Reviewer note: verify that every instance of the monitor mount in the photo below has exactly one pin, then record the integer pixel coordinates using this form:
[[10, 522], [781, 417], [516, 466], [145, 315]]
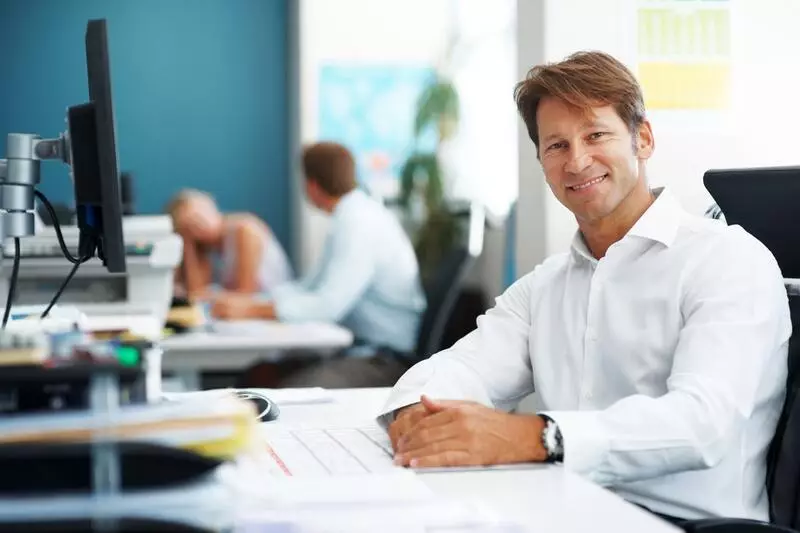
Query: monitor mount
[[19, 176]]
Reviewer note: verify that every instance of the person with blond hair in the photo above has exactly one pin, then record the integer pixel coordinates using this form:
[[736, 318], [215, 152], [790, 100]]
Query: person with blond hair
[[234, 252], [657, 344]]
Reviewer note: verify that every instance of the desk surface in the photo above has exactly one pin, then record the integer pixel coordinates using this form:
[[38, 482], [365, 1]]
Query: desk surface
[[544, 498], [233, 346]]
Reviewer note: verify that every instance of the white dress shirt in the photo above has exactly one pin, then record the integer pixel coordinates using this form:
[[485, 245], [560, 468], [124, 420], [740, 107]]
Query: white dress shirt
[[367, 278], [663, 363]]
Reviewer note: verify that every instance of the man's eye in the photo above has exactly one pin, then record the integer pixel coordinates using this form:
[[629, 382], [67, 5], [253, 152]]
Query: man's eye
[[596, 135], [556, 146]]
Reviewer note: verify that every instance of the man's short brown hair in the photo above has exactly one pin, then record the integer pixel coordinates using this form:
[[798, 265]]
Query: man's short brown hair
[[583, 80], [331, 166]]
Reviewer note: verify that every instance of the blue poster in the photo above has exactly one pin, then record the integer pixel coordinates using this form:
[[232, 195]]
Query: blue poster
[[370, 110]]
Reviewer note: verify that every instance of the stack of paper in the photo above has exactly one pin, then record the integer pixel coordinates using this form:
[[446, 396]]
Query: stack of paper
[[391, 502]]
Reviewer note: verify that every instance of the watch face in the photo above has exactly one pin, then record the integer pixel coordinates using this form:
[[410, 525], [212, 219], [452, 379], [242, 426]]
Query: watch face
[[552, 441]]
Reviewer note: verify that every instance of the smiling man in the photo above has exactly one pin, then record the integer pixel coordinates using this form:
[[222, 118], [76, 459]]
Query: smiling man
[[657, 343]]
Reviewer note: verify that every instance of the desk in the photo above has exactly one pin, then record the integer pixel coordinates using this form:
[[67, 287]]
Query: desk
[[192, 353], [544, 498]]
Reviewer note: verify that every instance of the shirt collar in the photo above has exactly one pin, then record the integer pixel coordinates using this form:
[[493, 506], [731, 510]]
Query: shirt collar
[[659, 223], [346, 200], [661, 220]]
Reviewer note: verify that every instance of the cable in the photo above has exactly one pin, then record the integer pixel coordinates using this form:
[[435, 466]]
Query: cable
[[42, 198], [64, 250], [63, 286], [12, 283]]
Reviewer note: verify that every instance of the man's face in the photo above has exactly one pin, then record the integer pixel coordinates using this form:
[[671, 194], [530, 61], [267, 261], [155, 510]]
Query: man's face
[[199, 220], [591, 163]]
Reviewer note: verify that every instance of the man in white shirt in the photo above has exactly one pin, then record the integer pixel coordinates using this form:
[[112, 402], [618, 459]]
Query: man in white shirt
[[367, 280], [657, 344]]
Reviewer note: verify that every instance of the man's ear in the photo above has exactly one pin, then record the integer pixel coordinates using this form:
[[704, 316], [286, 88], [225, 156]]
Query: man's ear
[[645, 141]]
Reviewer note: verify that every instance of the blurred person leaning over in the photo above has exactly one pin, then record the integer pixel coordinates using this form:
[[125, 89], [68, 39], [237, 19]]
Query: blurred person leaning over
[[234, 252]]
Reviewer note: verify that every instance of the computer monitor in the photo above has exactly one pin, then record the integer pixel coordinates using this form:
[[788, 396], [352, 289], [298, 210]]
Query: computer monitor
[[766, 203], [94, 158]]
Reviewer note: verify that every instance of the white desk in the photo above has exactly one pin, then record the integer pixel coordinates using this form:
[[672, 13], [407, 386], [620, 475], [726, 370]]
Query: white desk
[[544, 498], [235, 347]]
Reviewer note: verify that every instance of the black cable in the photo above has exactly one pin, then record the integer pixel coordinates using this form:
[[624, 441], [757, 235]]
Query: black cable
[[63, 286], [42, 198], [12, 283]]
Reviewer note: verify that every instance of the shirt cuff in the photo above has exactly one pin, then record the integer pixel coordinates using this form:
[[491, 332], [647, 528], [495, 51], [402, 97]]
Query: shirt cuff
[[282, 301], [585, 442]]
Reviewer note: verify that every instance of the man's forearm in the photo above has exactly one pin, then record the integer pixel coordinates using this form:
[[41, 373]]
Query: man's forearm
[[264, 311]]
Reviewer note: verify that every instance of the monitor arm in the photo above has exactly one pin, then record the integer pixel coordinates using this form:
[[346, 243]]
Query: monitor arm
[[19, 175]]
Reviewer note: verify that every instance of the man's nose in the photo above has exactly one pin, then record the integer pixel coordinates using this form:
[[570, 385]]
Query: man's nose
[[579, 159]]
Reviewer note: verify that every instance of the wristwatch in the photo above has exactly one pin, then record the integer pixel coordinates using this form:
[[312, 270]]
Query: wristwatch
[[552, 440]]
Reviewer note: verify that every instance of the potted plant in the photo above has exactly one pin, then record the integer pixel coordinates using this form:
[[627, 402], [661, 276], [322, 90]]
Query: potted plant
[[434, 228]]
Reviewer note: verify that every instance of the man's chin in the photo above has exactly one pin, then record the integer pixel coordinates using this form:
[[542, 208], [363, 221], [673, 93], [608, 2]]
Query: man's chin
[[591, 216]]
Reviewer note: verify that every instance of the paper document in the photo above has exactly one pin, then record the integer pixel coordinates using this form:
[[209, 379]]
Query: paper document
[[311, 452], [428, 515], [300, 396], [245, 327], [290, 492]]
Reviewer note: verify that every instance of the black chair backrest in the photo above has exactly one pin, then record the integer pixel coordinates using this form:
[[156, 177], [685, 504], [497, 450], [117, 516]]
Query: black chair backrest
[[441, 292], [783, 460]]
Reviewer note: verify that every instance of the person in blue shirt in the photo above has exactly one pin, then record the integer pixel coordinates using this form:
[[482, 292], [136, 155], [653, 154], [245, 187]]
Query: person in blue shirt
[[366, 280]]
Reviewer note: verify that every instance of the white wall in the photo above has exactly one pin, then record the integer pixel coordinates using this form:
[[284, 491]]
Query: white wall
[[531, 219], [759, 129], [417, 33]]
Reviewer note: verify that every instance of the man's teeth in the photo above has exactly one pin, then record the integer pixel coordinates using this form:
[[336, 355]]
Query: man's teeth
[[588, 183]]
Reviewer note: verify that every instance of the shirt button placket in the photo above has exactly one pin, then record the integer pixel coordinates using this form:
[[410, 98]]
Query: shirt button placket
[[590, 341]]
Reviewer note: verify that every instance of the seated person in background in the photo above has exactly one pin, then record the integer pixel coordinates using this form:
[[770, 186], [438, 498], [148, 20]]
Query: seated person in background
[[237, 252], [657, 344], [367, 280]]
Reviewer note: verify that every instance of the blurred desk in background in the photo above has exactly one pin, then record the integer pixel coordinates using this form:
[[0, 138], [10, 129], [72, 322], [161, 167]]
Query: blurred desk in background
[[234, 346]]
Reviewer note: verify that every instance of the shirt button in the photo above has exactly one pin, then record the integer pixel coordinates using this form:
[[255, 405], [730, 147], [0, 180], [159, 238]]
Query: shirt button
[[587, 395]]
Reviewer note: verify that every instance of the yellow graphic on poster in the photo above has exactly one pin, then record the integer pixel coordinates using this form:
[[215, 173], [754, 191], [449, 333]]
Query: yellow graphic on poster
[[685, 53]]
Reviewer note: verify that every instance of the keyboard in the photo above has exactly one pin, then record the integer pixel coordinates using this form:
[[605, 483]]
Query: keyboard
[[327, 452]]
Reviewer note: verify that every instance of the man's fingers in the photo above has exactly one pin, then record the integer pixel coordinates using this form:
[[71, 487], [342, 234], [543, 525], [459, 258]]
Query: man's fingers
[[430, 405], [397, 429], [419, 440], [405, 420], [429, 422], [440, 459], [434, 448]]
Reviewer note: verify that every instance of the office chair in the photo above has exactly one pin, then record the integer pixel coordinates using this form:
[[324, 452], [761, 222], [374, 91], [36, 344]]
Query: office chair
[[783, 458], [441, 289], [441, 293]]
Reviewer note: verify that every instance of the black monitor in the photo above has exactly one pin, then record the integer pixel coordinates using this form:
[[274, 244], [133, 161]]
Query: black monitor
[[766, 203], [94, 159]]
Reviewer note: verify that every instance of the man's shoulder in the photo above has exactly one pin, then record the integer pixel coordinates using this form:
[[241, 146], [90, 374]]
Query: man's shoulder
[[361, 208], [723, 245], [703, 231]]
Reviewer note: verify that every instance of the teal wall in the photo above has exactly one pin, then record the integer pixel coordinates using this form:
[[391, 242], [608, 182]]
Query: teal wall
[[199, 86]]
